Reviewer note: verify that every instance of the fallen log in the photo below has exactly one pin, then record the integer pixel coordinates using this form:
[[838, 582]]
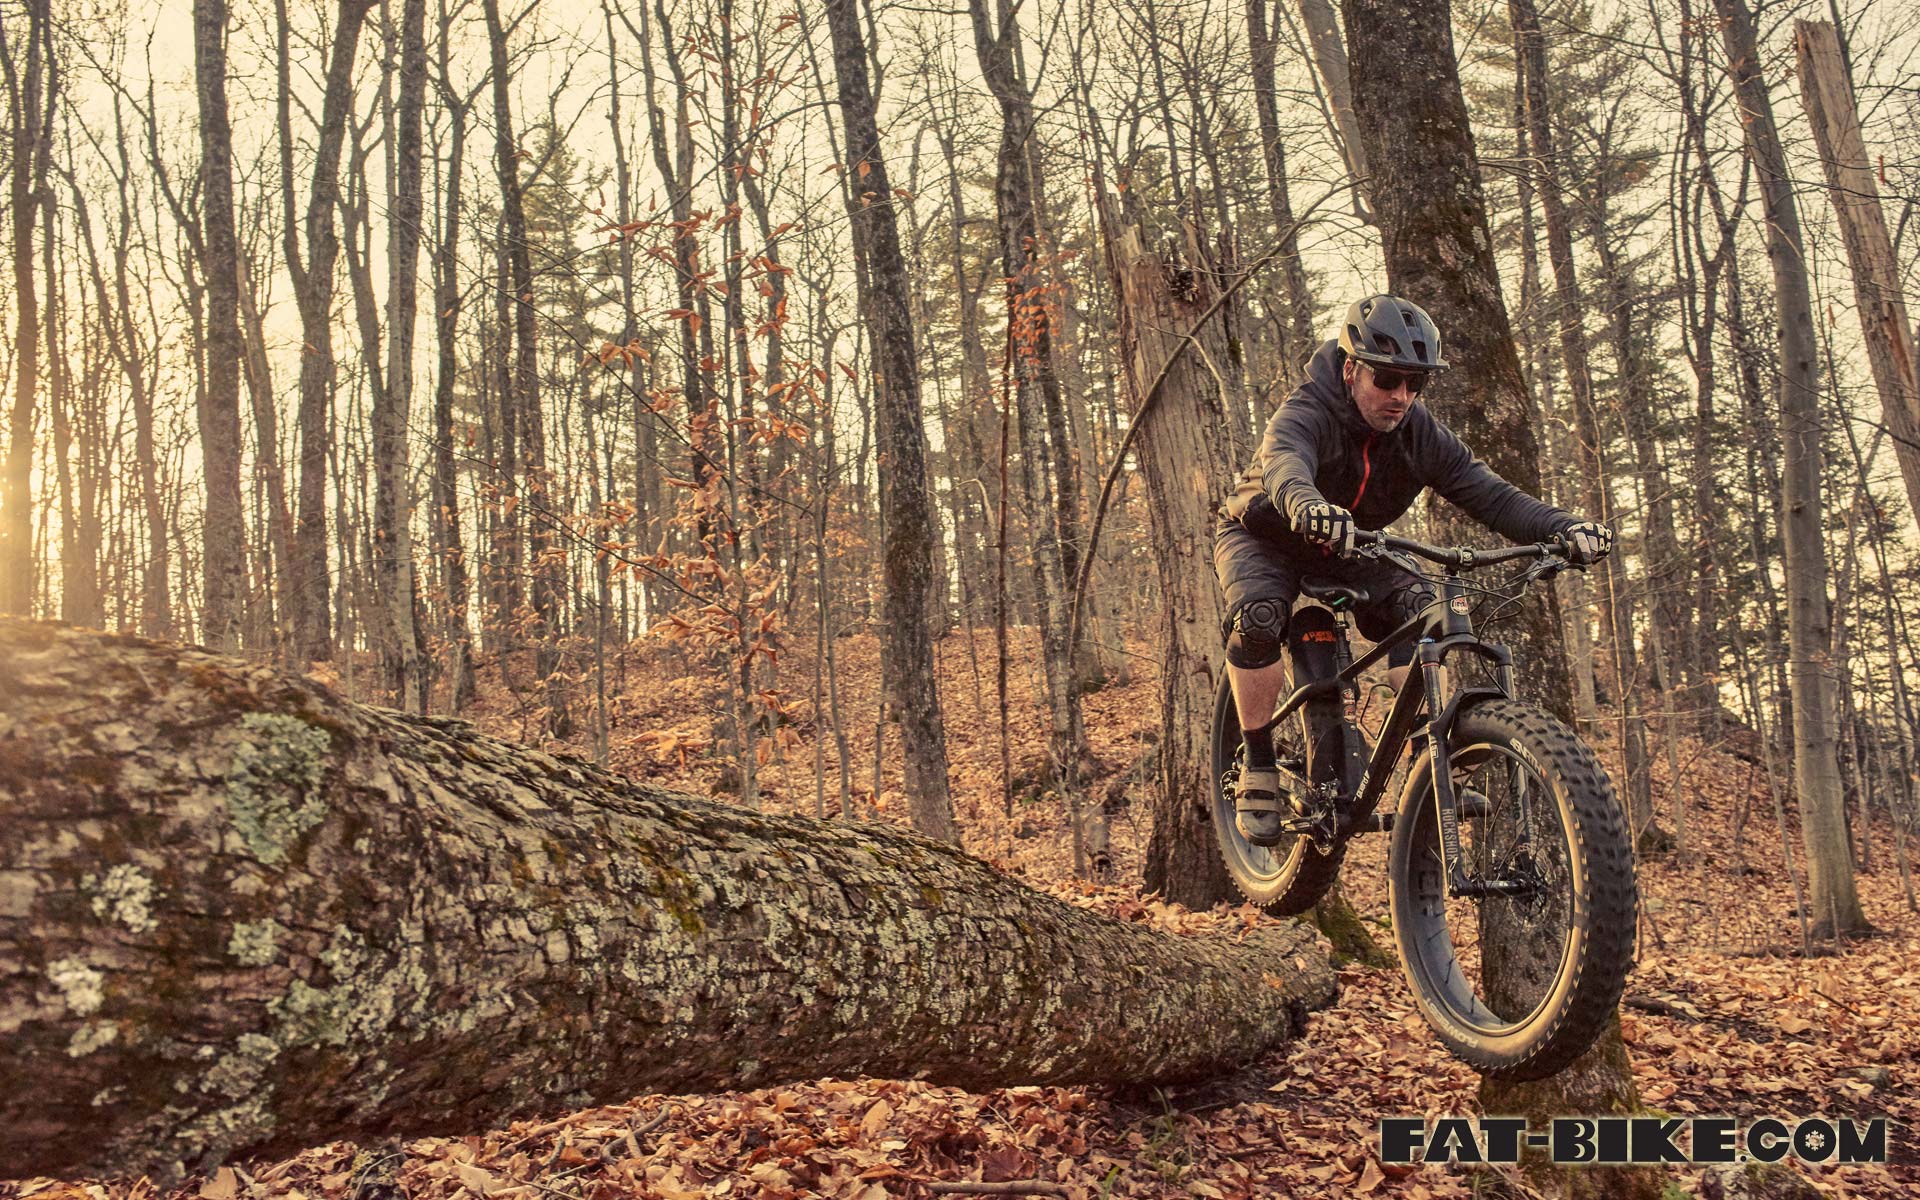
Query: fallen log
[[240, 915]]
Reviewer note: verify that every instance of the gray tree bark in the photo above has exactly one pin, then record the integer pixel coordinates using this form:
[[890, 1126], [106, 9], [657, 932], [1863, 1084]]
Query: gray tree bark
[[223, 562], [1297, 338], [1593, 478], [1433, 224], [449, 547], [1046, 473], [1855, 195], [313, 290], [1816, 762], [910, 524], [240, 915], [520, 399], [393, 499], [1186, 454], [1330, 61]]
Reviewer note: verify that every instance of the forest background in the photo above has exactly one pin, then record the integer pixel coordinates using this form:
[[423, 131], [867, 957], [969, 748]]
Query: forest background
[[473, 350]]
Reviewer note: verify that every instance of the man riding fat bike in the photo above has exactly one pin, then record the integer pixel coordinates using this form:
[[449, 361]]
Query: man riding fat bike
[[1350, 449]]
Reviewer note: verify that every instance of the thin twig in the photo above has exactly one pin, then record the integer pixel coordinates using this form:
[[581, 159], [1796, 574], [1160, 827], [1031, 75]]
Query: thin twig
[[1012, 1187]]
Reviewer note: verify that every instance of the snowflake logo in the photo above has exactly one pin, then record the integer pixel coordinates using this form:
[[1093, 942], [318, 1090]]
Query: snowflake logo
[[1816, 1140]]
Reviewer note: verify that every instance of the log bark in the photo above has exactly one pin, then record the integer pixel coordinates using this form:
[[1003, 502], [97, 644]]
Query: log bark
[[239, 914]]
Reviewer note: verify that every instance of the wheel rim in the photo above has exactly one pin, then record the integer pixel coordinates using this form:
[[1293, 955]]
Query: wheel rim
[[1499, 961]]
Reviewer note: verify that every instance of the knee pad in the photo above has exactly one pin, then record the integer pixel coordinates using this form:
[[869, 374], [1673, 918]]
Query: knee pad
[[1257, 634]]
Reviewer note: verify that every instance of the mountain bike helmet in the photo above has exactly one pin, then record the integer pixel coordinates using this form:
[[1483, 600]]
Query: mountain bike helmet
[[1387, 331]]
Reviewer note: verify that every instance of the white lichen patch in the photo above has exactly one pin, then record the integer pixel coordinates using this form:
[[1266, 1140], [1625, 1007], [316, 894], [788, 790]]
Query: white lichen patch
[[273, 786], [238, 1075], [79, 985], [586, 941], [124, 897], [363, 995], [345, 954], [90, 1037], [253, 942]]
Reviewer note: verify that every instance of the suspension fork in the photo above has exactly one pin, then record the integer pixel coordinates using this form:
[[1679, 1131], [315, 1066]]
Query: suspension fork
[[1446, 809], [1439, 735]]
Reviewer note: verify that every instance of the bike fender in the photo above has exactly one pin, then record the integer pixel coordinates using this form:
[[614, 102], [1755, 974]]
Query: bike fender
[[1464, 699], [1420, 769]]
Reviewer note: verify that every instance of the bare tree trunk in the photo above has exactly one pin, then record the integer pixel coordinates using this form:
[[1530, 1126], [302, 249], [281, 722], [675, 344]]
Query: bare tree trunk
[[156, 605], [1433, 219], [1699, 271], [1594, 474], [1828, 92], [393, 500], [912, 693], [223, 560], [1816, 767], [313, 289], [1184, 449], [267, 465], [1297, 337], [521, 405], [626, 951], [1047, 478], [1330, 63], [32, 84], [449, 546]]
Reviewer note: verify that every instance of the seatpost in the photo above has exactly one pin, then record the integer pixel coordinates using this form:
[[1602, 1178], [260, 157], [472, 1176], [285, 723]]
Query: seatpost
[[1342, 659]]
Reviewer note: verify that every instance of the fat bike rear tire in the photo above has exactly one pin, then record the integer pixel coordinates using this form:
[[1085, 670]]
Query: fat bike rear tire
[[1283, 880]]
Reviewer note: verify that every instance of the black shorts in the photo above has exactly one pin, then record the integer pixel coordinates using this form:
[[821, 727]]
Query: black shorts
[[1252, 567]]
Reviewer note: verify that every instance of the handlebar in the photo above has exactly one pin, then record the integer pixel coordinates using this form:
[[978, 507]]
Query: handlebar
[[1371, 542]]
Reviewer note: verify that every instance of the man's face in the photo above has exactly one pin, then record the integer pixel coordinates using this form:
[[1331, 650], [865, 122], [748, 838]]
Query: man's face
[[1383, 409]]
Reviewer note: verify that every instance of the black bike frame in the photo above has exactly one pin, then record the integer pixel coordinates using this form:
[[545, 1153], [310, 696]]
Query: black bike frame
[[1442, 628]]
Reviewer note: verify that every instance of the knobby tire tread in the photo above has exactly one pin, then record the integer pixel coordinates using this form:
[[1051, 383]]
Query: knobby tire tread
[[1599, 838]]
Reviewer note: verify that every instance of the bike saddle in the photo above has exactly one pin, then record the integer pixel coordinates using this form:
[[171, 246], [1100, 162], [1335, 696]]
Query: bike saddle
[[1336, 595]]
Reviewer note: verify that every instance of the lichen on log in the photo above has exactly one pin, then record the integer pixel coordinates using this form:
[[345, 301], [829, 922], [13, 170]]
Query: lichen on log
[[241, 915]]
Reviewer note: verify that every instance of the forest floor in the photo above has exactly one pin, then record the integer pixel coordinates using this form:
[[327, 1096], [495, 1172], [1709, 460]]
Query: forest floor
[[1723, 1016]]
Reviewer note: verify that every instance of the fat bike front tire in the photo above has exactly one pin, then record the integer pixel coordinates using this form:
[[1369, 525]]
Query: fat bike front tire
[[1521, 983], [1283, 880]]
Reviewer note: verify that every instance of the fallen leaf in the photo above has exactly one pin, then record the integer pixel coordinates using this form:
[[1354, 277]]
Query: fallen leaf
[[477, 1180], [223, 1186]]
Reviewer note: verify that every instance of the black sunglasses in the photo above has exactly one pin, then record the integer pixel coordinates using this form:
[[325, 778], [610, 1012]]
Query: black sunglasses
[[1391, 381]]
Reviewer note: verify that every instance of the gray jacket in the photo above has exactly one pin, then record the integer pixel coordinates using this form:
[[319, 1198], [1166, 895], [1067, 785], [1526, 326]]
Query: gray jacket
[[1318, 447]]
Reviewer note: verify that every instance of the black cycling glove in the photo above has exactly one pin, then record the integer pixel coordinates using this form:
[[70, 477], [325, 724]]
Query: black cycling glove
[[1326, 525], [1587, 541]]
